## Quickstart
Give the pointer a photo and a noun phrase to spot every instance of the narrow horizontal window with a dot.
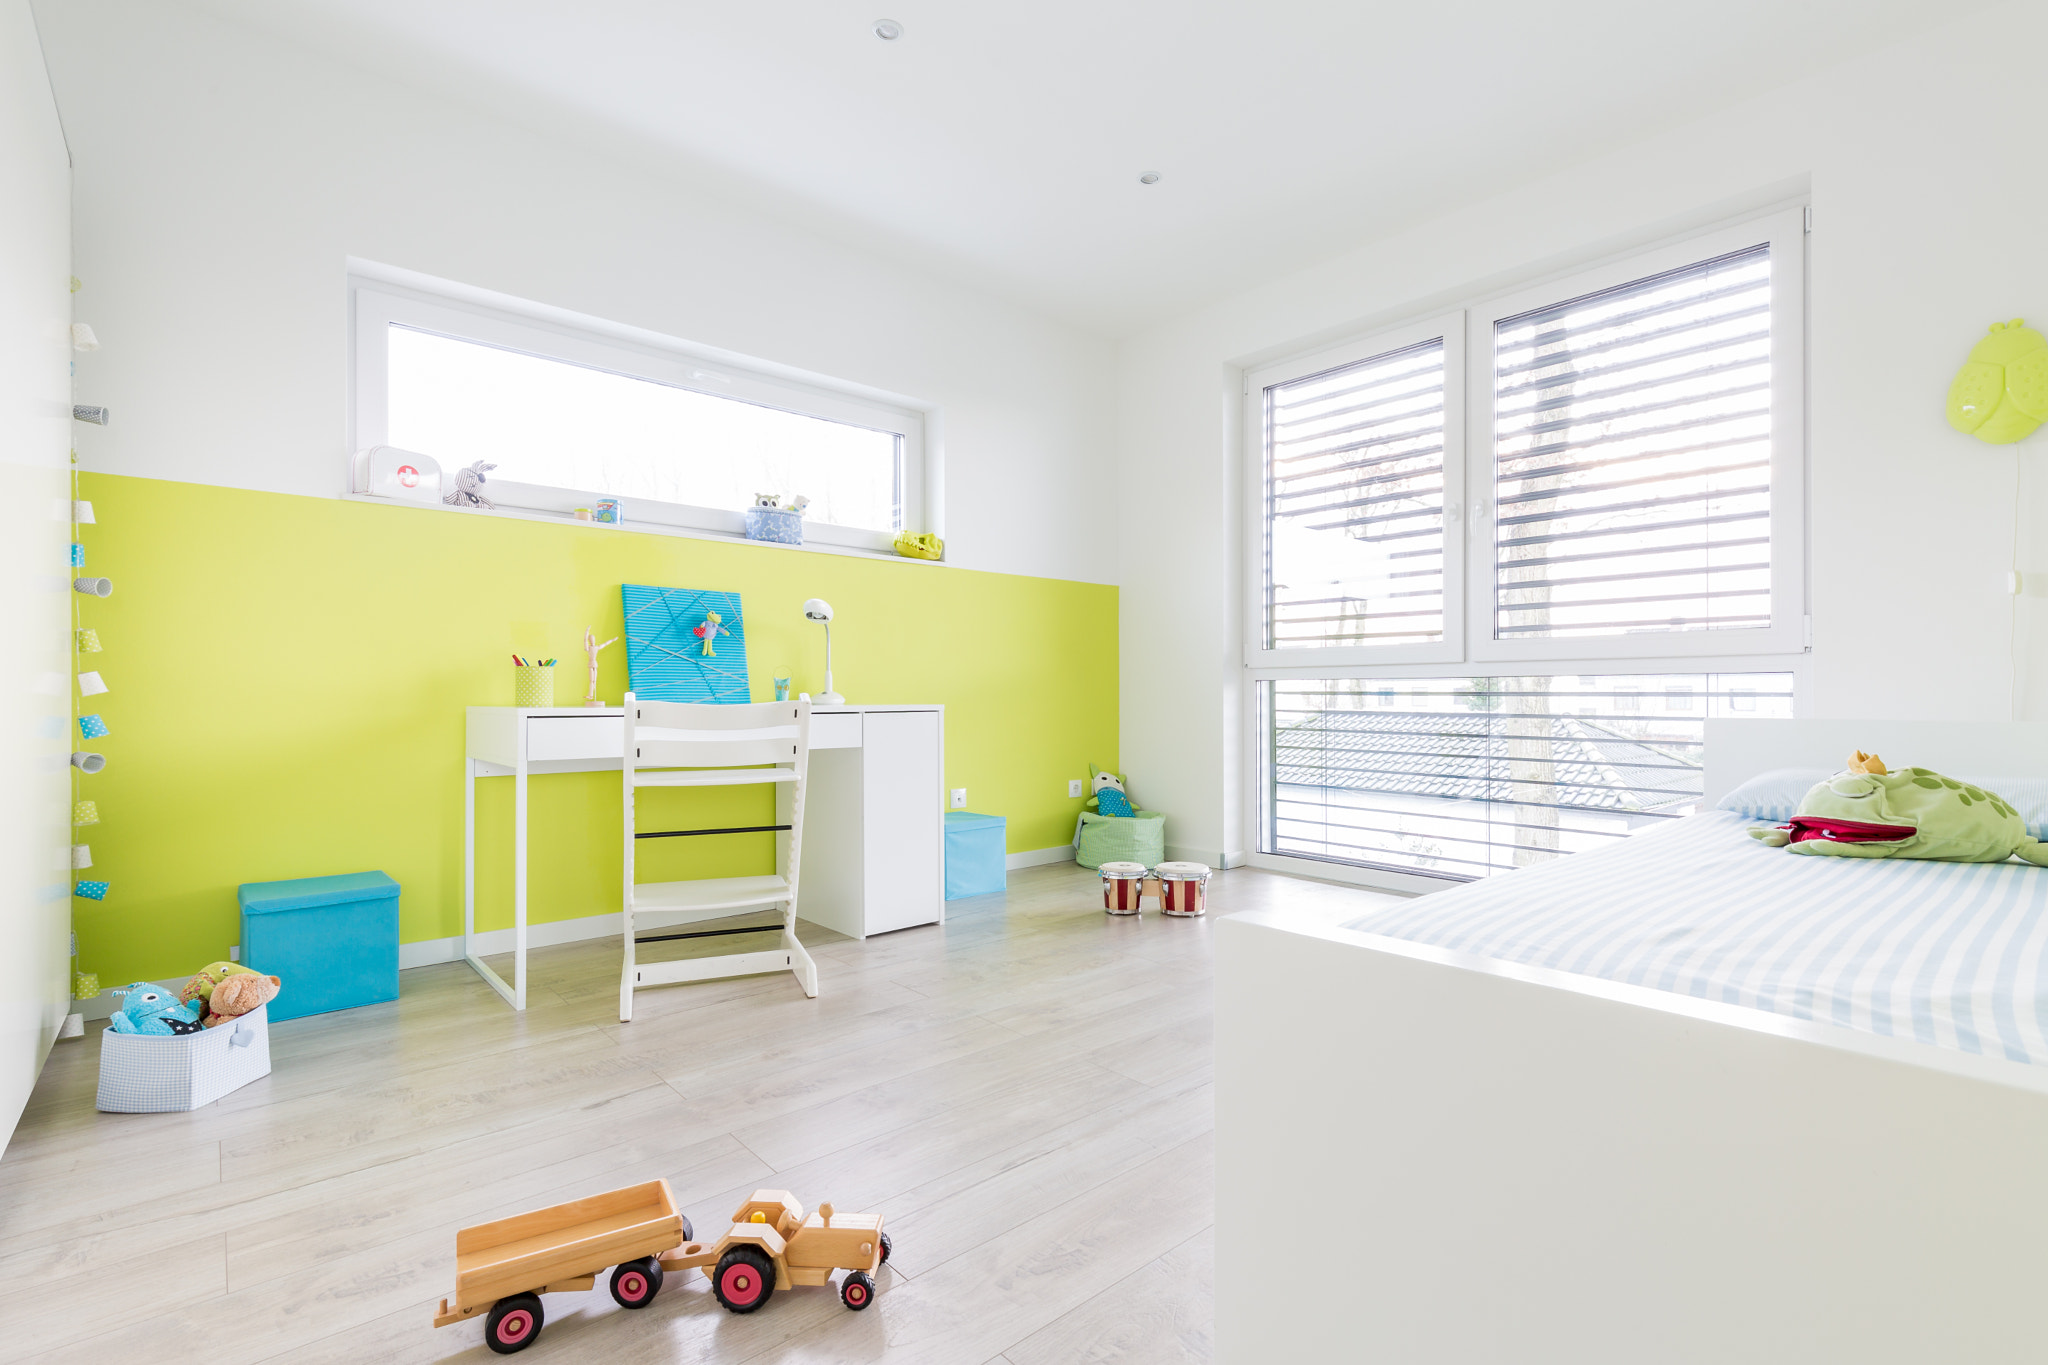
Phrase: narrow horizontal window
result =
(1465, 777)
(549, 422)
(1632, 457)
(1354, 536)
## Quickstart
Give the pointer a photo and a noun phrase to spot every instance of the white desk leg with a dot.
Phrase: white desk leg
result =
(515, 996)
(519, 882)
(468, 853)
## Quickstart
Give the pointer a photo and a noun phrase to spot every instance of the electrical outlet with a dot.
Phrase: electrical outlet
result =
(234, 952)
(959, 798)
(1074, 786)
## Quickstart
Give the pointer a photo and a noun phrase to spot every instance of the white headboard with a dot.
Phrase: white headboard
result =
(1739, 749)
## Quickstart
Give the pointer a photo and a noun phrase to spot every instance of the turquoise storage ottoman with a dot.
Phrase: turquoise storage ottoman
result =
(333, 941)
(974, 854)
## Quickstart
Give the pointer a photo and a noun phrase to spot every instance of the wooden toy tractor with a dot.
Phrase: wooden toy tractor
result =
(502, 1268)
(773, 1246)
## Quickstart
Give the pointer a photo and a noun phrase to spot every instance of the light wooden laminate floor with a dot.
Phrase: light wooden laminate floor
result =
(1023, 1092)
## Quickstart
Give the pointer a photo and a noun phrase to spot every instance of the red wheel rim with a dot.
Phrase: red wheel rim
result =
(515, 1326)
(741, 1284)
(856, 1293)
(633, 1286)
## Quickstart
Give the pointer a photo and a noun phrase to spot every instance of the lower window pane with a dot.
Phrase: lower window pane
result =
(1465, 777)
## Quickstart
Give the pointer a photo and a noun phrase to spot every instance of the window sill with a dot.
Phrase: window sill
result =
(640, 528)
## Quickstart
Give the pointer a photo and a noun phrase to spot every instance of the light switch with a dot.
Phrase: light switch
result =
(959, 798)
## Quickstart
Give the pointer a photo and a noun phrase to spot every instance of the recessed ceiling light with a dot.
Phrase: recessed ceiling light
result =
(1149, 178)
(888, 30)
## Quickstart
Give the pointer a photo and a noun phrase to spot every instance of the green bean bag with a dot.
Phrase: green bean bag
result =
(1139, 838)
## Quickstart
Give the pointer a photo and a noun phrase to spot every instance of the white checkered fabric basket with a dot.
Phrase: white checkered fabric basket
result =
(141, 1074)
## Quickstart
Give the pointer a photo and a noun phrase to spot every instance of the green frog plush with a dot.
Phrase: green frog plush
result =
(1867, 812)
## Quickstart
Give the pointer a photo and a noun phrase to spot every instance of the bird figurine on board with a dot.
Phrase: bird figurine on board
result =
(709, 633)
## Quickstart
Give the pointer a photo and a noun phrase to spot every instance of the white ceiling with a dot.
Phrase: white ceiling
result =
(1008, 138)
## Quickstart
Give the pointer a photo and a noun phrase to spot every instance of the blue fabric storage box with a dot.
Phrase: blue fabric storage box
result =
(333, 941)
(974, 854)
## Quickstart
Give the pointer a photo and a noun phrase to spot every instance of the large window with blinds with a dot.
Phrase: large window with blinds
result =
(1460, 778)
(1505, 562)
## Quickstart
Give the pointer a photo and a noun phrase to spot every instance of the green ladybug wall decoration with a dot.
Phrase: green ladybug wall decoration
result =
(2002, 394)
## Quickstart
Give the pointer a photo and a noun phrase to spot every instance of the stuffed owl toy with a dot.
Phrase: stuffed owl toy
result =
(150, 1009)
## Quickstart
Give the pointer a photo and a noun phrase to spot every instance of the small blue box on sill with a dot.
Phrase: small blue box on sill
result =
(333, 941)
(975, 865)
(777, 525)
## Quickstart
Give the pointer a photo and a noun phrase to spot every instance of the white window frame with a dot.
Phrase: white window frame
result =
(1785, 234)
(1782, 647)
(1451, 328)
(375, 305)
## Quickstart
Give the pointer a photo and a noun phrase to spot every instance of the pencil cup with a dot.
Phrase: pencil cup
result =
(94, 587)
(88, 762)
(533, 685)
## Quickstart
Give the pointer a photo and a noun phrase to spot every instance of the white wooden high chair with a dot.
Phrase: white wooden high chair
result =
(678, 744)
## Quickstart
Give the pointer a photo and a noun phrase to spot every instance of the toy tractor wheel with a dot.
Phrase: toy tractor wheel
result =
(689, 1233)
(513, 1323)
(635, 1283)
(858, 1291)
(744, 1279)
(886, 1246)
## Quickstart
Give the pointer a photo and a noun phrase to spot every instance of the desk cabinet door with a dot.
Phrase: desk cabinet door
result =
(900, 795)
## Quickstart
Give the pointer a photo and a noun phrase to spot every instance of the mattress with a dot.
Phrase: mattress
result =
(1945, 953)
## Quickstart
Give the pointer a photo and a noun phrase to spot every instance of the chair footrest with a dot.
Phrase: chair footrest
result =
(712, 968)
(711, 893)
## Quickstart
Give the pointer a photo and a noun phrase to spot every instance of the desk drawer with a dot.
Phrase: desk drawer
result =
(835, 730)
(574, 737)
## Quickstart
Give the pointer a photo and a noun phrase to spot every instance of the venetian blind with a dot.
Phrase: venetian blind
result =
(1465, 777)
(1354, 503)
(1632, 457)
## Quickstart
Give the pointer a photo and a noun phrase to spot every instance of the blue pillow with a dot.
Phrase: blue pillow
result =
(1773, 795)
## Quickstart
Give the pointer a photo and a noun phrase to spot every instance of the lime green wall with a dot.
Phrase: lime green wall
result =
(288, 675)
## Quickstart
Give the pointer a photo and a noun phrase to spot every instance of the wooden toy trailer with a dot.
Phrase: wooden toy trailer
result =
(773, 1246)
(502, 1268)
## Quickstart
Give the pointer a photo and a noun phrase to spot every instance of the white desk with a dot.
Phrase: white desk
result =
(874, 813)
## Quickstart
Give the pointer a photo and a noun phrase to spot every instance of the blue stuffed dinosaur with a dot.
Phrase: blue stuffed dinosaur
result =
(150, 1009)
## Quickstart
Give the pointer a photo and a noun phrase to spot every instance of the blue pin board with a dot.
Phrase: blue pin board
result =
(667, 632)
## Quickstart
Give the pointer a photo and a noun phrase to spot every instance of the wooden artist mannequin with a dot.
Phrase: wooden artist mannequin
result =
(590, 647)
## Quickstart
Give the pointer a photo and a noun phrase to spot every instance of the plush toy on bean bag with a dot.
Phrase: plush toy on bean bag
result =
(199, 990)
(1109, 796)
(150, 1009)
(240, 994)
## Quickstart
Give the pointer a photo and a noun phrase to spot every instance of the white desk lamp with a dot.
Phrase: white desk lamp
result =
(819, 610)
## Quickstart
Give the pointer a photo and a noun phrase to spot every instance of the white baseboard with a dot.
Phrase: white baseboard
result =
(1214, 859)
(428, 952)
(1038, 857)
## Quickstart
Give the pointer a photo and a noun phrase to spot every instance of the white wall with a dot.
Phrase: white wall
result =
(1929, 219)
(35, 597)
(224, 178)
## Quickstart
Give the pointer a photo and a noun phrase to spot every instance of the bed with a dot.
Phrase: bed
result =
(1687, 1099)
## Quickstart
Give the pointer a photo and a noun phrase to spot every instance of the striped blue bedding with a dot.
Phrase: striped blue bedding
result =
(1951, 954)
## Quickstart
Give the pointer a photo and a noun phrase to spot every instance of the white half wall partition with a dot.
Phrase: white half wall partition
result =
(35, 601)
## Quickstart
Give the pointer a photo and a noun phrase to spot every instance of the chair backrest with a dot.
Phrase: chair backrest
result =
(674, 734)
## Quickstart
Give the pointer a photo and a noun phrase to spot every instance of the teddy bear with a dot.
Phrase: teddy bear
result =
(200, 988)
(241, 993)
(150, 1009)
